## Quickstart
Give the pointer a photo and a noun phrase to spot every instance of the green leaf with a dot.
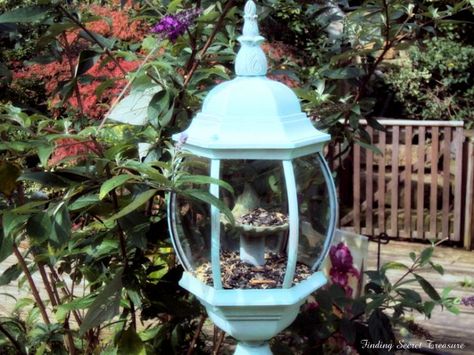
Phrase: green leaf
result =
(6, 244)
(86, 60)
(210, 199)
(437, 267)
(380, 328)
(426, 255)
(29, 207)
(67, 90)
(428, 288)
(412, 255)
(409, 294)
(105, 306)
(372, 122)
(24, 15)
(10, 274)
(44, 152)
(203, 179)
(133, 109)
(375, 304)
(394, 265)
(159, 104)
(9, 174)
(12, 223)
(428, 307)
(62, 225)
(138, 201)
(343, 73)
(371, 147)
(104, 42)
(83, 202)
(79, 303)
(46, 179)
(148, 170)
(104, 85)
(130, 343)
(113, 183)
(5, 74)
(39, 227)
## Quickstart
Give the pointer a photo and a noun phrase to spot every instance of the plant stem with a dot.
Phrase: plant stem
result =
(66, 292)
(196, 334)
(47, 285)
(32, 284)
(219, 343)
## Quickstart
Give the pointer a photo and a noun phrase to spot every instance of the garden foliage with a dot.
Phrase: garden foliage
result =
(90, 95)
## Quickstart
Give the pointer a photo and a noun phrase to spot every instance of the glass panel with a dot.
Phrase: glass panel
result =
(259, 203)
(253, 250)
(313, 201)
(191, 221)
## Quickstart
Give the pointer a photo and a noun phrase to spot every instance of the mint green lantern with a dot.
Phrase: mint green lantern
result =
(252, 134)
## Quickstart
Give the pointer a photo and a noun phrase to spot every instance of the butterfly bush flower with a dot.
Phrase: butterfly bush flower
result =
(468, 301)
(342, 266)
(174, 26)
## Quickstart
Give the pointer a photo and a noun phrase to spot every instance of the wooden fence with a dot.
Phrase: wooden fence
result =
(414, 189)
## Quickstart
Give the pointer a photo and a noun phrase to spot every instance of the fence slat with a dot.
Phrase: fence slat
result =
(469, 208)
(434, 182)
(369, 186)
(394, 182)
(458, 142)
(381, 182)
(408, 167)
(356, 192)
(446, 176)
(420, 188)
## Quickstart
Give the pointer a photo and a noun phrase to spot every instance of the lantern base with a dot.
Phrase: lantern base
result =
(253, 349)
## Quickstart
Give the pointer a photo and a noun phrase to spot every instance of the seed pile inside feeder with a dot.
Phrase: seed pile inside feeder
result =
(261, 217)
(238, 274)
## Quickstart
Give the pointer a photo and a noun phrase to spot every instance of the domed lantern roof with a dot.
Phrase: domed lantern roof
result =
(252, 116)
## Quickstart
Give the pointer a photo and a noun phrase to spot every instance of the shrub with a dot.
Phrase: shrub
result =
(436, 81)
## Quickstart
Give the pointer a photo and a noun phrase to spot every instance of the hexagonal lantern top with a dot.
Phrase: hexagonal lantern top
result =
(252, 275)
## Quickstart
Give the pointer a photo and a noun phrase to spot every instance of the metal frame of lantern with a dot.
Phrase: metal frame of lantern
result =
(223, 131)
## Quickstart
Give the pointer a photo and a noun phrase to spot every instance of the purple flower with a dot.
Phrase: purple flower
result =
(342, 266)
(468, 301)
(173, 26)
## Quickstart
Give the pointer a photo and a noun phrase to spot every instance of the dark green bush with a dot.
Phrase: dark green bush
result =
(436, 81)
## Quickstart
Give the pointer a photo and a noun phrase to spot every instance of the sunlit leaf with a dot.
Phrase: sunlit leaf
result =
(113, 183)
(137, 202)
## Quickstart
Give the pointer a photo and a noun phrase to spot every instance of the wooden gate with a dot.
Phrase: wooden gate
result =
(414, 188)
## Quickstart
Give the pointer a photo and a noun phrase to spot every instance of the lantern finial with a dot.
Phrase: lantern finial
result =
(251, 60)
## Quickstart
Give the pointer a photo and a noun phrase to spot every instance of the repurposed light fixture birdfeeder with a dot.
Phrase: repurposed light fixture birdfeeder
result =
(252, 274)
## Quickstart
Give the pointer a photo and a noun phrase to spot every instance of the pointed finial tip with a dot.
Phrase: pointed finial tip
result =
(250, 8)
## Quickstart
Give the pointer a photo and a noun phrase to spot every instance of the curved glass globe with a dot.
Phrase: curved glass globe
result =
(284, 212)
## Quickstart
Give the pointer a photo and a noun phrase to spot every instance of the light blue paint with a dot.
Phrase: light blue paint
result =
(215, 228)
(293, 217)
(252, 316)
(253, 117)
